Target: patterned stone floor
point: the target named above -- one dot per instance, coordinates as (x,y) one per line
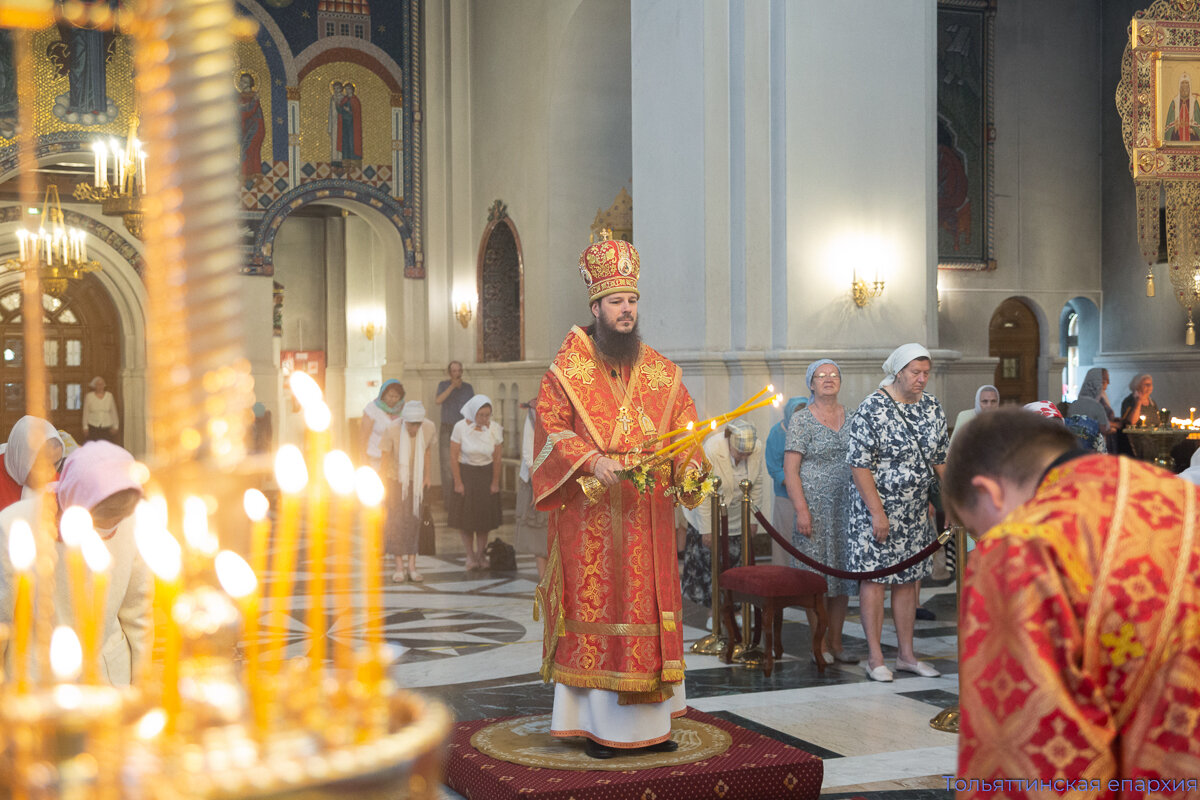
(470,641)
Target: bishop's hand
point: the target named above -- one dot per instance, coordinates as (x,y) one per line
(607,471)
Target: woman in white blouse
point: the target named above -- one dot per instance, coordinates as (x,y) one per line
(475,464)
(100,420)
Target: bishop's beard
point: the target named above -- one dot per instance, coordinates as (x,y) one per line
(622,348)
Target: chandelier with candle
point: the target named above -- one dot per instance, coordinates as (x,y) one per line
(118,179)
(56,251)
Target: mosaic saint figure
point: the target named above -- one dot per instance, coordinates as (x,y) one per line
(610,598)
(335,141)
(349,111)
(81,55)
(253,126)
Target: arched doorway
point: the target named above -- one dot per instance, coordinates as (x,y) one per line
(501,290)
(1014,337)
(83,335)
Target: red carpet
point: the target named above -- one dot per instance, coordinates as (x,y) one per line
(755,767)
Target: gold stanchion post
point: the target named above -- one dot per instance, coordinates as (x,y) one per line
(714,643)
(947,719)
(751,655)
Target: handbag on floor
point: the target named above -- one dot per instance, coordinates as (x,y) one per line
(427,535)
(501,556)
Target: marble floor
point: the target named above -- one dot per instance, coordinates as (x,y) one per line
(470,641)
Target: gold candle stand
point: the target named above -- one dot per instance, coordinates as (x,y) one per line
(751,654)
(946,720)
(714,643)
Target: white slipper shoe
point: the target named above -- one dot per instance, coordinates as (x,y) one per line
(880,673)
(919,668)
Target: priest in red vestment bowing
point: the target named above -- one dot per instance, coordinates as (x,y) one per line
(1080,623)
(610,598)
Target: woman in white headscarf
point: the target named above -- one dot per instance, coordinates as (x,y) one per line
(32,442)
(475,464)
(103,479)
(408,450)
(898,447)
(987,398)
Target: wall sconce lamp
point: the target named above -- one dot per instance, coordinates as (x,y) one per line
(463,305)
(864,292)
(372,322)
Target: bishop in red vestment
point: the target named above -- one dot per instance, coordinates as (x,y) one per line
(610,598)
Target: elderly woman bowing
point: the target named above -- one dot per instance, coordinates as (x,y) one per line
(898,447)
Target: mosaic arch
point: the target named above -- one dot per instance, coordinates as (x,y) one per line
(261,263)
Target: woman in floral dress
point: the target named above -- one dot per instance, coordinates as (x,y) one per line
(897,442)
(817,478)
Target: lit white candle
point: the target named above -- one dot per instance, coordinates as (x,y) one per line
(21,554)
(99,561)
(66,655)
(164,556)
(339,472)
(98,165)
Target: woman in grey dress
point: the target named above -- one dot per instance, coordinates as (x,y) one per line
(897,441)
(817,478)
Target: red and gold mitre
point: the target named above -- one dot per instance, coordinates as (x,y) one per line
(609,266)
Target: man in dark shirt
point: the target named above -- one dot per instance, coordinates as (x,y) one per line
(452,395)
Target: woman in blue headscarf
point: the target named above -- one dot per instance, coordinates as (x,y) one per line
(818,486)
(380,414)
(784,516)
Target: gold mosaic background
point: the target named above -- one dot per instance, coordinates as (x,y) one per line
(376,101)
(250,58)
(50,85)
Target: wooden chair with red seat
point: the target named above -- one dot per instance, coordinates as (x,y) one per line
(771,588)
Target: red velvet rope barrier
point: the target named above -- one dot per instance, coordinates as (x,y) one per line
(841,573)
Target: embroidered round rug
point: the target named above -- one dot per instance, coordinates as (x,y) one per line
(527,741)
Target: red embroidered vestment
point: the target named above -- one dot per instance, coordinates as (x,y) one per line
(611,595)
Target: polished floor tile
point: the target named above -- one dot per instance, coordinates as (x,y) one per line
(470,641)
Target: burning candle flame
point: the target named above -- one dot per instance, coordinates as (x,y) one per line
(304,388)
(21,549)
(151,724)
(368,486)
(317,416)
(66,654)
(770,387)
(95,552)
(195,526)
(290,471)
(339,471)
(75,523)
(256,504)
(158,547)
(235,575)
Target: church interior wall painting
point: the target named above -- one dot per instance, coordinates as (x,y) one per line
(319,107)
(965,134)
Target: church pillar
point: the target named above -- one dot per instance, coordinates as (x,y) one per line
(336,315)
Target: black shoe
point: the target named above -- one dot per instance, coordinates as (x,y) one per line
(597,750)
(925,614)
(665,746)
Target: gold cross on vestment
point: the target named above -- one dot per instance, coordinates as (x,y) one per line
(624,418)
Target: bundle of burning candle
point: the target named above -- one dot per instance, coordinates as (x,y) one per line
(202,722)
(693,485)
